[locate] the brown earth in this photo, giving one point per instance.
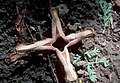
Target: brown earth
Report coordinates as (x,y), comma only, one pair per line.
(43,66)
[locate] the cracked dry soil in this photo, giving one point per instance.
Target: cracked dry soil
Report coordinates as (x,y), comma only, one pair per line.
(36,68)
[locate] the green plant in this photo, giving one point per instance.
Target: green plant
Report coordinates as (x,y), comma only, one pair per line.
(92,53)
(91,73)
(90,65)
(107,15)
(104,61)
(76,59)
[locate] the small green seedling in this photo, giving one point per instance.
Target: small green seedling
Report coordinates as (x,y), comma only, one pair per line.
(88,55)
(106,16)
(103,61)
(91,73)
(76,59)
(92,53)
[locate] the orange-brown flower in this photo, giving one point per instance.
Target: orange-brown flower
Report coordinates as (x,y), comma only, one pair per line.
(64,56)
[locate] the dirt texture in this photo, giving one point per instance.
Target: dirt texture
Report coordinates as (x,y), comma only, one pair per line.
(35,24)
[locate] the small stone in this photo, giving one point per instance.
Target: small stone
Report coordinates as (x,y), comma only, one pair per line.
(81,72)
(118,2)
(103,44)
(80,63)
(119,33)
(114,39)
(117,30)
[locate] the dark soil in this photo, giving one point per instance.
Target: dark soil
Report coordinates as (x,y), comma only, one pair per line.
(43,66)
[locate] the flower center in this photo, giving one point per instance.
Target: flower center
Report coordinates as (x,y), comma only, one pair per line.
(60,43)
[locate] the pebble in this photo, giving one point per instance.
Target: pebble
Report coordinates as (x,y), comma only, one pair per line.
(103,44)
(114,39)
(118,2)
(116,30)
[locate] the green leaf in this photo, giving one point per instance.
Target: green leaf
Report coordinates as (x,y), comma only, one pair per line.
(92,53)
(104,61)
(106,8)
(91,73)
(76,59)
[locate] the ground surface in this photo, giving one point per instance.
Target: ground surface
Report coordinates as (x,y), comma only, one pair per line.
(36,68)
